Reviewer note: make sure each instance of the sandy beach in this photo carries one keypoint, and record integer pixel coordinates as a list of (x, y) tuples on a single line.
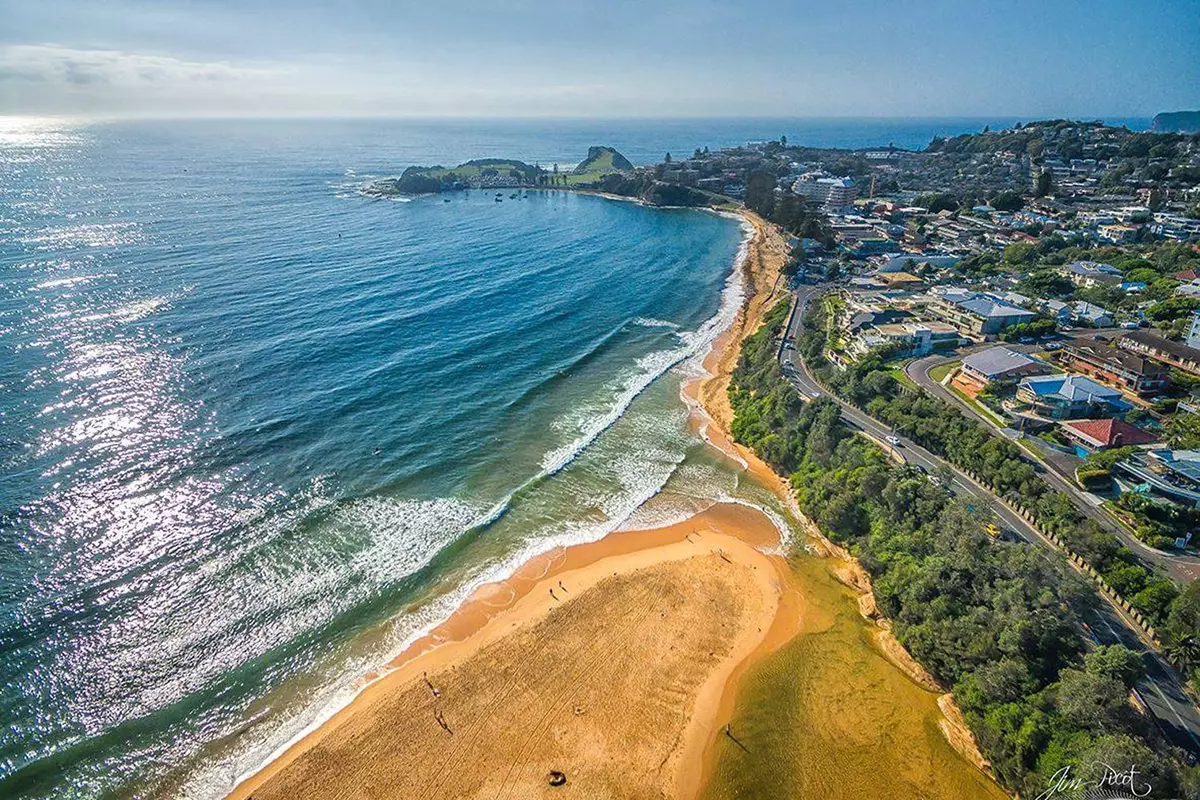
[(608, 669), (589, 663)]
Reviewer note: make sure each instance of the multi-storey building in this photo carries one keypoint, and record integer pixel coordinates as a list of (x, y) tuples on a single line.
[(1114, 366)]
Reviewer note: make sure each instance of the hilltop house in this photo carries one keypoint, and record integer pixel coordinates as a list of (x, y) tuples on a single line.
[(916, 338), (977, 313), (1069, 396), (1113, 365), (1001, 365)]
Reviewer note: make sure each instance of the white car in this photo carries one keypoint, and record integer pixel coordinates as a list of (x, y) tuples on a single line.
[(893, 441)]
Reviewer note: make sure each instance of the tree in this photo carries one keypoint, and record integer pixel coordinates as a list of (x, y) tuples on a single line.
[(1007, 201), (1093, 702), (1115, 661), (1184, 652), (1045, 183), (1119, 753), (760, 193)]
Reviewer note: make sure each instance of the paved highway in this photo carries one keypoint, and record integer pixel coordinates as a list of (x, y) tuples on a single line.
[(1161, 689)]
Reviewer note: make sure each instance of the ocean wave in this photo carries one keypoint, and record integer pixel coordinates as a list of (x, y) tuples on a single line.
[(650, 322), (650, 367), (641, 474)]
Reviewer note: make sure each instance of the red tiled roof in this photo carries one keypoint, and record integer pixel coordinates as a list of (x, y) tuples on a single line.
[(1186, 275), (1104, 432)]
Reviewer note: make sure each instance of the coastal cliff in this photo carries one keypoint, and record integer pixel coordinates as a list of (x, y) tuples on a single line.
[(1176, 122)]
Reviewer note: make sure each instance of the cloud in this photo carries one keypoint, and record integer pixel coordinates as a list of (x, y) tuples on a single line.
[(48, 78), (115, 68)]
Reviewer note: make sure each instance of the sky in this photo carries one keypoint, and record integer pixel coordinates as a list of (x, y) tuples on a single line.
[(602, 58)]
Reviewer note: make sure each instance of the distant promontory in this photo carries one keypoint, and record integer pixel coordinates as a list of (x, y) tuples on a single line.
[(1176, 122), (604, 170)]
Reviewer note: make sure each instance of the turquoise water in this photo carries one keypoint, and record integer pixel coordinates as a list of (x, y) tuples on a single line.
[(257, 430)]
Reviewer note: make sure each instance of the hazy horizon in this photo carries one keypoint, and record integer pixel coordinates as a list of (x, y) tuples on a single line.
[(552, 59)]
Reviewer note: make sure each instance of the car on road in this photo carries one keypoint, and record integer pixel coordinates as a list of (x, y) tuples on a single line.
[(893, 441)]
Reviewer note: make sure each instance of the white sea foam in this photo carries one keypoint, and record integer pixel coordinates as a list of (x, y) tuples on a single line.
[(650, 322), (642, 476)]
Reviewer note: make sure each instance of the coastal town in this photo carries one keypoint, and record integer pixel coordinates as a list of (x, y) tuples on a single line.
[(1046, 278), (1013, 318)]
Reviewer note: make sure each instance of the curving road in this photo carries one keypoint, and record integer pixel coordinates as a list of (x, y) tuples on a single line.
[(1182, 567), (1161, 689)]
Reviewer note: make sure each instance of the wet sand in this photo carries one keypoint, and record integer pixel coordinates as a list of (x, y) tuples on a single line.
[(615, 679), (619, 663)]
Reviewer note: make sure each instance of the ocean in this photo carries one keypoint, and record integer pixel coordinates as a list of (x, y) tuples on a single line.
[(258, 430)]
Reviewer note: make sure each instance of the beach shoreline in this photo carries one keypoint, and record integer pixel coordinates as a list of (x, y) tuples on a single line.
[(752, 271), (743, 537)]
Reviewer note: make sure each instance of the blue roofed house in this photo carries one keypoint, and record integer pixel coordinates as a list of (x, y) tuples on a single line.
[(1070, 397)]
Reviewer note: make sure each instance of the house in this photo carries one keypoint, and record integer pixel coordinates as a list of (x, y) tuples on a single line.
[(1187, 276), (1060, 311), (899, 280), (1193, 335), (1069, 397), (1090, 435), (1171, 226), (1119, 233), (1176, 354), (1001, 365), (976, 313), (1091, 273), (906, 262), (916, 338), (1113, 365), (1091, 314), (1183, 466)]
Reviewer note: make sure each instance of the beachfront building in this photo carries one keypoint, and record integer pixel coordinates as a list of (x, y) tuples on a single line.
[(975, 313), (1090, 435), (1176, 354), (827, 190), (1069, 397), (1001, 365), (1114, 366)]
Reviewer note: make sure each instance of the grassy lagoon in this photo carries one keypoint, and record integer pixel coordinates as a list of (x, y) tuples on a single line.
[(828, 716)]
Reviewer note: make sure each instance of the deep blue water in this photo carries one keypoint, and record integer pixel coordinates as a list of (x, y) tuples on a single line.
[(257, 430)]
